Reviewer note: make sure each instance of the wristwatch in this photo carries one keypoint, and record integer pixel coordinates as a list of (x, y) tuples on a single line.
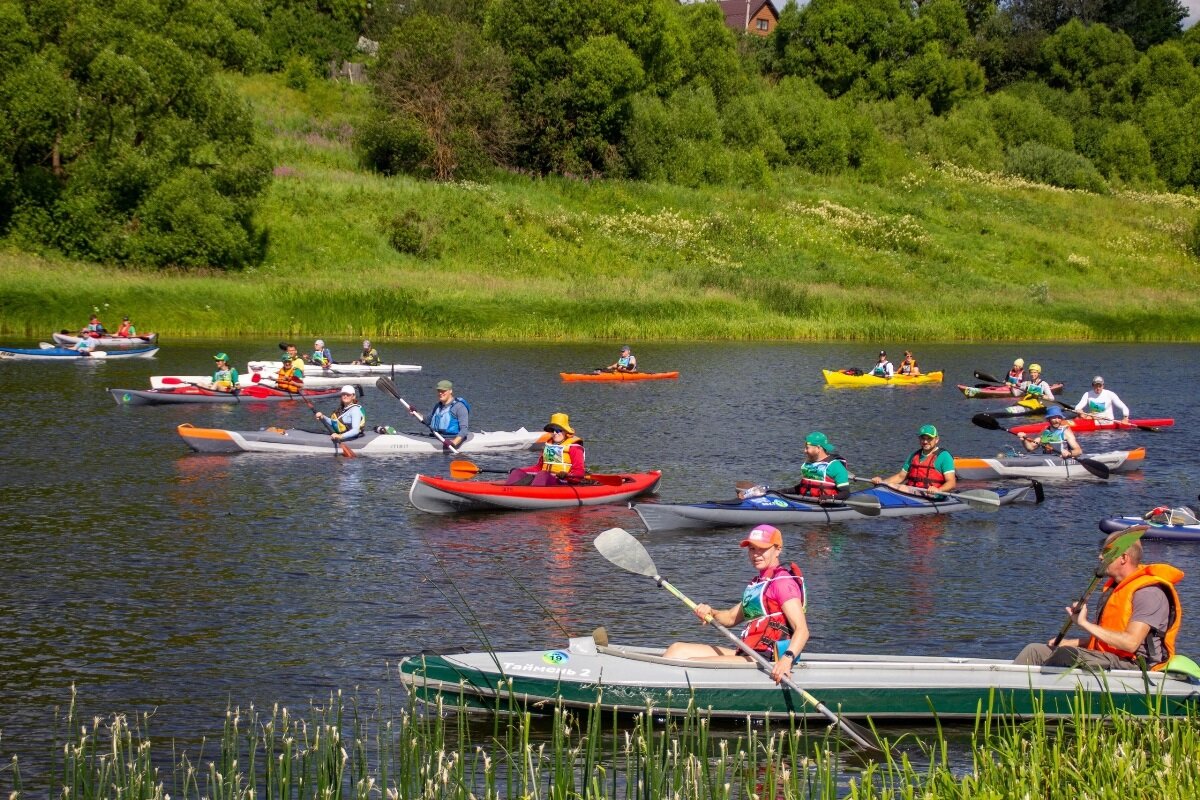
[(791, 655)]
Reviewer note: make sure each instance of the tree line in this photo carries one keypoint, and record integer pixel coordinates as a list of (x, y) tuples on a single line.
[(120, 140)]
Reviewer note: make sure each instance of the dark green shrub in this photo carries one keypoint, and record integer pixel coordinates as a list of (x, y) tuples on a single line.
[(1045, 164), (394, 145), (298, 72), (411, 234), (1193, 239)]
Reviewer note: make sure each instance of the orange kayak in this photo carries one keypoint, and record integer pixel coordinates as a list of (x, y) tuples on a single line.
[(619, 376)]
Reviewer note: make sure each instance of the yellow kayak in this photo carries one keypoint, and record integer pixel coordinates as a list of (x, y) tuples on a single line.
[(838, 378)]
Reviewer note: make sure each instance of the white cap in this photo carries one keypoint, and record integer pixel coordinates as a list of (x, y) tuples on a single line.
[(319, 342), (366, 342), (1097, 379), (348, 389)]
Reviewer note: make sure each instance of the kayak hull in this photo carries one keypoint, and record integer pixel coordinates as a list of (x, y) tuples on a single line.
[(445, 496), (989, 392), (298, 442), (1177, 533), (838, 378), (70, 340), (1088, 425), (1041, 466), (310, 381), (192, 394), (63, 354), (775, 508), (637, 680), (574, 377), (272, 367)]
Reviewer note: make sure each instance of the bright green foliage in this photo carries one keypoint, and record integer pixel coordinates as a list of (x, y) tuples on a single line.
[(1091, 57), (121, 142), (1171, 134), (1018, 120), (1045, 164), (319, 30), (1124, 154), (708, 52)]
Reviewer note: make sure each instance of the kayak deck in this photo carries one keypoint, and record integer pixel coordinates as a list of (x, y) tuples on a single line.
[(293, 441), (446, 496), (618, 376), (839, 378), (1042, 466)]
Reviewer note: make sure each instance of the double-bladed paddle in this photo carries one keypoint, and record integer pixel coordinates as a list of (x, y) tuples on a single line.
[(867, 506), (170, 380), (978, 499), (619, 547), (463, 470), (388, 385), (1090, 464), (1108, 555), (983, 376), (339, 448)]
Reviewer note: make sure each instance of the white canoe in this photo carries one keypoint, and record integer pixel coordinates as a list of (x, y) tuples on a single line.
[(291, 440), (310, 381), (1042, 466), (70, 340), (335, 369)]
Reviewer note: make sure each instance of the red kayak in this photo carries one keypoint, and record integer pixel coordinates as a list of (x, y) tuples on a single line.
[(1089, 425), (447, 496), (998, 391)]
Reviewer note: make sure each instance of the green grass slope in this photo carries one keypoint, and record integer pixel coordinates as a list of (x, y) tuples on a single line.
[(930, 254)]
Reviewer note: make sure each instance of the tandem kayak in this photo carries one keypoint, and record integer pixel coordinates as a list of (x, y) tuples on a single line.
[(590, 671), (839, 378), (1022, 408), (618, 376), (447, 496), (63, 354), (1179, 532), (310, 381), (1043, 466), (990, 391), (777, 508), (194, 394), (335, 369), (292, 440), (1089, 425), (70, 340)]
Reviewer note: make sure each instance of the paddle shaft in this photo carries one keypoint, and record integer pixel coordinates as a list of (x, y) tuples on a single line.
[(1082, 599), (1090, 464), (864, 507), (1115, 549), (389, 386), (917, 491), (468, 469), (339, 448), (846, 727)]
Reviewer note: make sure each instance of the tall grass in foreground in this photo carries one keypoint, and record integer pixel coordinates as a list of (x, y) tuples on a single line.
[(341, 750)]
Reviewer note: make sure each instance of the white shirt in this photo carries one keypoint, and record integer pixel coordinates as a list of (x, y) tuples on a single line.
[(1102, 404)]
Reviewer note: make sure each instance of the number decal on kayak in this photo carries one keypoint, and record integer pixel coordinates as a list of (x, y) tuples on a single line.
[(556, 657)]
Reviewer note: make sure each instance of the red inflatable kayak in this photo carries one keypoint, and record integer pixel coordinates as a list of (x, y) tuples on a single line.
[(447, 496), (619, 376), (1088, 425), (998, 391)]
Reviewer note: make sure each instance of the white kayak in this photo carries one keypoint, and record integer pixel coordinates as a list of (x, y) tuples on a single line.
[(1043, 466), (335, 369), (265, 379), (70, 340), (292, 440)]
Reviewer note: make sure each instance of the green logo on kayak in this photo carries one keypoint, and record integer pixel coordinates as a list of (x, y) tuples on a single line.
[(125, 398), (556, 657)]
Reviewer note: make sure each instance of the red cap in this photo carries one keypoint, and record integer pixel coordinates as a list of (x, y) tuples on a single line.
[(763, 536)]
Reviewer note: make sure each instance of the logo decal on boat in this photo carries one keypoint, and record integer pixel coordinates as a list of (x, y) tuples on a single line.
[(556, 657)]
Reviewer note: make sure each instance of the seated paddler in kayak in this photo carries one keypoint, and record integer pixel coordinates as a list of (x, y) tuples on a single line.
[(348, 421), (94, 327), (369, 357), (772, 606), (126, 330), (1139, 618), (1036, 387), (1057, 438), (321, 356), (1016, 374), (929, 467), (224, 377), (562, 460), (626, 363), (1099, 403), (290, 377), (86, 345), (883, 368), (450, 416), (823, 475), (908, 366)]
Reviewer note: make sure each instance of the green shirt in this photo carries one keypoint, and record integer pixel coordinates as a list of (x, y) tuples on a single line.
[(944, 463)]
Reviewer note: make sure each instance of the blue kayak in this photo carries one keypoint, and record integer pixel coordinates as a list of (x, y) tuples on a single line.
[(64, 354), (1178, 525)]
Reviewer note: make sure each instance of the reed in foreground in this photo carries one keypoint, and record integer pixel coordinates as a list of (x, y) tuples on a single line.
[(342, 749)]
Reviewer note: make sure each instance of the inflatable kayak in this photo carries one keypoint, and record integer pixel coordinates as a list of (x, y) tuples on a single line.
[(63, 354), (1089, 425), (293, 440), (1042, 466), (618, 376), (990, 390), (447, 496), (841, 378), (70, 340), (335, 369), (1022, 408), (777, 508), (264, 379), (194, 394), (1180, 531)]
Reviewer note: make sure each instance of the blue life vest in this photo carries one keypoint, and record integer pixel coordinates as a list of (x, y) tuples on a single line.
[(443, 420), (623, 361)]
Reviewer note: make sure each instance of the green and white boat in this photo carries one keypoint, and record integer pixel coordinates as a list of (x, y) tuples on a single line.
[(884, 688)]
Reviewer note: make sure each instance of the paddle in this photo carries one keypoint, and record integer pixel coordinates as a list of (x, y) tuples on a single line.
[(462, 470), (236, 392), (1111, 554), (388, 385), (1090, 464), (978, 499), (867, 506), (338, 447), (620, 548), (983, 376)]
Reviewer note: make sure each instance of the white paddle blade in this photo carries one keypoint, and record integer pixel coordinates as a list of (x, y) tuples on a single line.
[(97, 354), (981, 499), (619, 547)]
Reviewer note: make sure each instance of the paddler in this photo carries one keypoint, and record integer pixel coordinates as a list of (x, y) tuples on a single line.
[(94, 327), (563, 459), (823, 476), (929, 467), (450, 416), (348, 421), (225, 377), (1138, 620), (321, 356), (884, 368), (772, 604), (1099, 402), (626, 363), (369, 357), (1016, 374), (86, 345), (909, 365), (126, 329), (290, 377), (1036, 387), (1057, 438)]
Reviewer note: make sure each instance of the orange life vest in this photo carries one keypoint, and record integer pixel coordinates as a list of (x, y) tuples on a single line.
[(287, 380), (1117, 609), (921, 473)]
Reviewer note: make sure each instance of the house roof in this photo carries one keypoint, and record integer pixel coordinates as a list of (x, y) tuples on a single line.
[(735, 11)]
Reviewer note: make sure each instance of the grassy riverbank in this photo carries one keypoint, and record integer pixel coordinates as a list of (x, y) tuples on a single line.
[(915, 254), (365, 751)]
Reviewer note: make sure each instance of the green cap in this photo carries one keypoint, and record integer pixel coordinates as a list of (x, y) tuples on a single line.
[(927, 430), (818, 439), (220, 357), (444, 385)]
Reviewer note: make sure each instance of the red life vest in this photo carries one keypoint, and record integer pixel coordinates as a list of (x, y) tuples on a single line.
[(817, 487), (765, 630), (921, 473), (1117, 610)]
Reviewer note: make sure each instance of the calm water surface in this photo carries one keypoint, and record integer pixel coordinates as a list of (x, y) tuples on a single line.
[(153, 578)]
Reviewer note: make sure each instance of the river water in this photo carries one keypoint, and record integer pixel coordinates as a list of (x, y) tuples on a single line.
[(157, 579)]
